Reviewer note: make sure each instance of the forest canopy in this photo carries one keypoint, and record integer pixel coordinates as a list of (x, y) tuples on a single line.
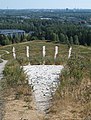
[(63, 26)]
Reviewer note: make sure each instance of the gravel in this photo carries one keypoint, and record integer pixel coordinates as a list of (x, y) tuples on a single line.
[(2, 65), (44, 81)]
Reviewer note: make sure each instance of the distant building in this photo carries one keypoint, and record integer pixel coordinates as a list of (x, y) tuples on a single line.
[(67, 9), (83, 22), (12, 32)]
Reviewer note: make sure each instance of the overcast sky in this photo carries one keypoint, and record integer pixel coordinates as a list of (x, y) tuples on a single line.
[(29, 4)]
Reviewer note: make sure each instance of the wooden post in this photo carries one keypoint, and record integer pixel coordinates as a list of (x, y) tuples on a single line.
[(56, 53), (27, 49), (70, 50), (27, 52), (44, 53), (14, 54)]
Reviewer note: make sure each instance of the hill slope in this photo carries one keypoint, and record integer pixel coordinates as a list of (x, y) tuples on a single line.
[(73, 98)]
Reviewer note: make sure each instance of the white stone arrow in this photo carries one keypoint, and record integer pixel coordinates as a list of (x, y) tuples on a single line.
[(44, 80)]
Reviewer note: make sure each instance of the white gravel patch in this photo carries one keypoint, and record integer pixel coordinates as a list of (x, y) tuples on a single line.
[(2, 65), (44, 81)]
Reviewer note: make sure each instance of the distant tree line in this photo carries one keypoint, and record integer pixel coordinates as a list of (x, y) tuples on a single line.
[(53, 30)]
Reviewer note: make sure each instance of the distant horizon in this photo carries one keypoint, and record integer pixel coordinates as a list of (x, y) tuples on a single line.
[(45, 8), (46, 4)]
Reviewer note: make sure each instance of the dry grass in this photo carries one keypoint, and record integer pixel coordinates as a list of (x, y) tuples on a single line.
[(17, 94), (72, 100)]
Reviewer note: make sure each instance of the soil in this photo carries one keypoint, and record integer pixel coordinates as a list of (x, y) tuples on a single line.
[(1, 98), (21, 109)]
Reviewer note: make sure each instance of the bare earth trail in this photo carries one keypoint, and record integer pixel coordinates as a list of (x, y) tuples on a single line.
[(2, 65)]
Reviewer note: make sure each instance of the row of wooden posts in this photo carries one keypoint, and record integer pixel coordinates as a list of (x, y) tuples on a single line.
[(43, 52)]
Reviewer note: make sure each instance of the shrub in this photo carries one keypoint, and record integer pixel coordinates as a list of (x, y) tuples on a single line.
[(73, 76), (14, 74), (22, 60), (15, 78)]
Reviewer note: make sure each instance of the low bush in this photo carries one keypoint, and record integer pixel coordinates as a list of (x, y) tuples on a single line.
[(74, 75), (15, 79)]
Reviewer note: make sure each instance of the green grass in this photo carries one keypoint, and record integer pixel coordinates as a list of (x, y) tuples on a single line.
[(14, 77), (36, 52)]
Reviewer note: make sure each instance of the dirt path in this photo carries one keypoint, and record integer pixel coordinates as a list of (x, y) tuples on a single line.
[(21, 110), (2, 65)]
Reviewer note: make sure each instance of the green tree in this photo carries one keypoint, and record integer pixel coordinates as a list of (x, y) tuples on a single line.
[(7, 41), (62, 38), (76, 40), (71, 40), (4, 40), (67, 41), (55, 37)]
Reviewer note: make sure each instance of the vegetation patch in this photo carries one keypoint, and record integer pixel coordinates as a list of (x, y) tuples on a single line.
[(72, 99), (74, 92), (35, 56), (15, 80)]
